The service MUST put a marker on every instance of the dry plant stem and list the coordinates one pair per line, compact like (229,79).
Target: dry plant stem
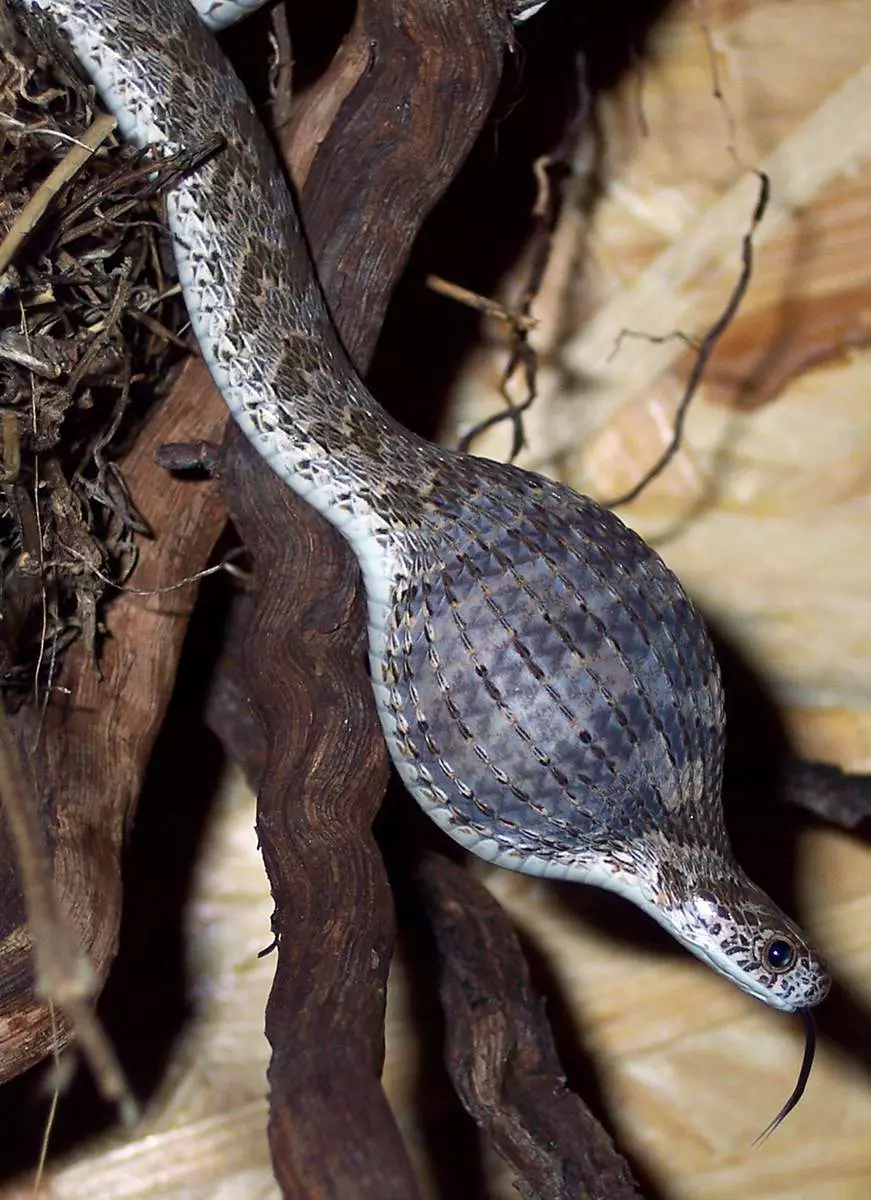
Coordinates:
(706,348)
(500,1052)
(29,217)
(98,732)
(482,304)
(550,171)
(64,975)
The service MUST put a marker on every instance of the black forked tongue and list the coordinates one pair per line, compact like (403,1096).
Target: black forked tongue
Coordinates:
(810,1045)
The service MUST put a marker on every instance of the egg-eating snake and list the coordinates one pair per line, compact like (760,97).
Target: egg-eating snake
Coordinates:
(548,693)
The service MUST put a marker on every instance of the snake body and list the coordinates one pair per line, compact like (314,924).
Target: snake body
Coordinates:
(548,693)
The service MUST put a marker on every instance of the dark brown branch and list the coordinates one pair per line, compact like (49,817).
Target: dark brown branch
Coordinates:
(426,78)
(323,772)
(330,1128)
(500,1052)
(827,791)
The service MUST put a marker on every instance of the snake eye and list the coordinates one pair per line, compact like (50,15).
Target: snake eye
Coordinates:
(778,954)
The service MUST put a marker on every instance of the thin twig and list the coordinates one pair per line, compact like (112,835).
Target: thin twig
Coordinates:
(717,90)
(705,350)
(69,166)
(483,304)
(550,171)
(225,565)
(51,1116)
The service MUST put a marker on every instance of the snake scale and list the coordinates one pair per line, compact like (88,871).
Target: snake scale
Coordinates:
(548,693)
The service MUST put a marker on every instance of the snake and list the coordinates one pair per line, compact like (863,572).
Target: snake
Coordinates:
(547,690)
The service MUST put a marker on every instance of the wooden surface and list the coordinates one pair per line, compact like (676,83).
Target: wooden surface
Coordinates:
(767,518)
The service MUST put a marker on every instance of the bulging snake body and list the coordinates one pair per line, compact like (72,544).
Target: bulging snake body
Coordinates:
(548,693)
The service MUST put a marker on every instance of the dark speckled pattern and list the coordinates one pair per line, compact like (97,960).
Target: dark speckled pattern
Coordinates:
(555,676)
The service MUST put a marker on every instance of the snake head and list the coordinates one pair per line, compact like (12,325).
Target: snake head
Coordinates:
(731,924)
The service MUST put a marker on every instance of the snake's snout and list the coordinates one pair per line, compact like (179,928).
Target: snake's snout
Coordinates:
(743,934)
